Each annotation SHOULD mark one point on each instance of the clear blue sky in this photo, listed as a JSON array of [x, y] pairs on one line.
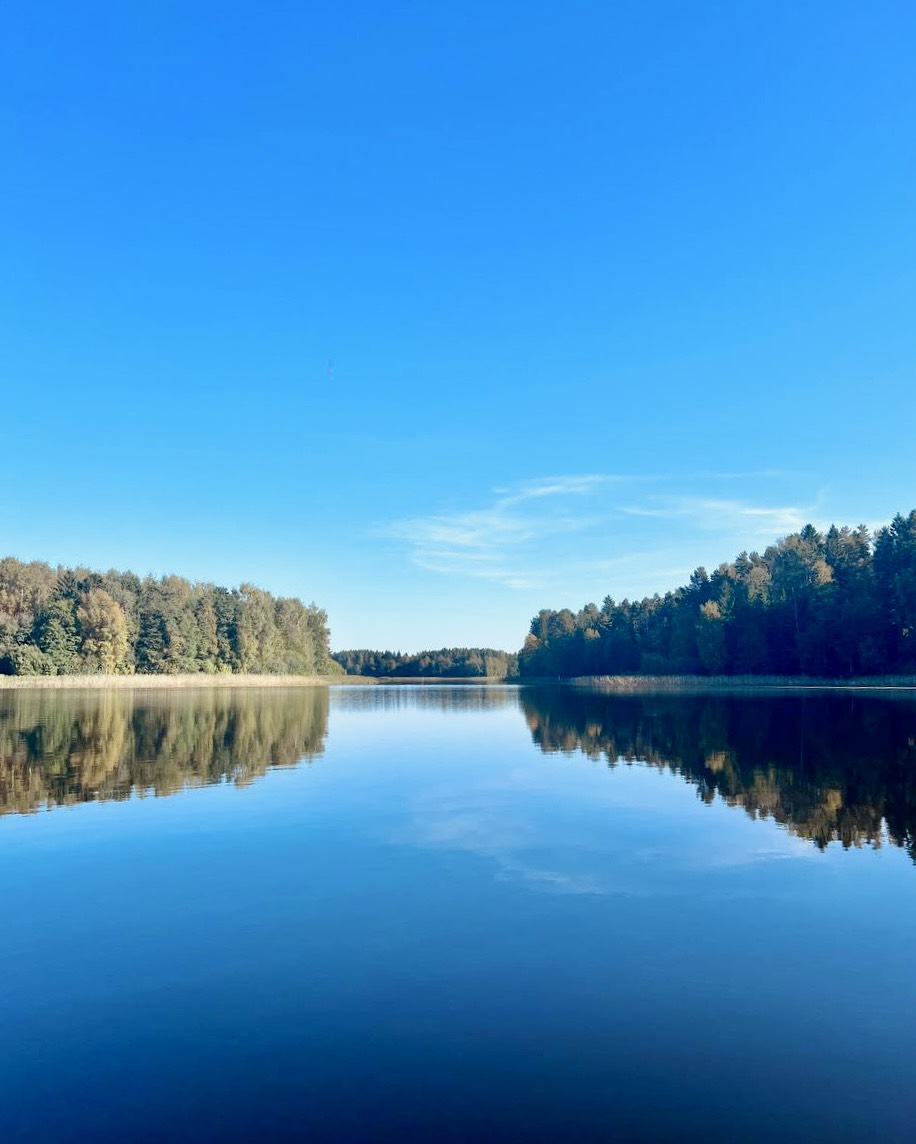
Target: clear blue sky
[[440, 313]]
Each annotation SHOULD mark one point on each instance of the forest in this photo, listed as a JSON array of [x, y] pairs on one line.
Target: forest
[[446, 663], [838, 604], [835, 604], [73, 621]]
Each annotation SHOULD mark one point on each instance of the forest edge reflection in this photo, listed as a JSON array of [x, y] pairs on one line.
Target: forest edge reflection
[[827, 767], [61, 748]]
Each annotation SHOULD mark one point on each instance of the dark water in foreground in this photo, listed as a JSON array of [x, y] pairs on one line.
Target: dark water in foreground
[[456, 913]]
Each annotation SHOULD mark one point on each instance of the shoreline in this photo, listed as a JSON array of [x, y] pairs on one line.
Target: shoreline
[[640, 684], [611, 685], [158, 682], [433, 680], [174, 682], [223, 681]]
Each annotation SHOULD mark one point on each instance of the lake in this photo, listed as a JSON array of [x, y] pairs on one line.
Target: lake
[[451, 913]]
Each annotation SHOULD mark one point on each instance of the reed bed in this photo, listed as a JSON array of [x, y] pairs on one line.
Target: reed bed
[[672, 683], [160, 682]]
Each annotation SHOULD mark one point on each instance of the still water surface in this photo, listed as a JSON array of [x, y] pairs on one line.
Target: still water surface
[[456, 912]]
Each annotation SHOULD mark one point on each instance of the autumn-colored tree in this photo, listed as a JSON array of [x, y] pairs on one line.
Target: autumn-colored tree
[[103, 627]]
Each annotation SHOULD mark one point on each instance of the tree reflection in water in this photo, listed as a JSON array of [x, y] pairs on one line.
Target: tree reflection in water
[[449, 698], [829, 767], [59, 747]]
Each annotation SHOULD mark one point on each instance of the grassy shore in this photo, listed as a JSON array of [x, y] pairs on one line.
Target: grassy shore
[[126, 682], [630, 684], [618, 684]]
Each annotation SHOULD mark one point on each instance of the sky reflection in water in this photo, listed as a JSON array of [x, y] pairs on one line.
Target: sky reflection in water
[[457, 920]]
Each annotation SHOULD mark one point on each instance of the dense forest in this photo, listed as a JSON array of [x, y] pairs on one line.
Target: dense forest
[[835, 604], [446, 663], [72, 621]]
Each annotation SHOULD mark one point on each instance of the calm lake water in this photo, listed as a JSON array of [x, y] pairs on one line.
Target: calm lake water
[[457, 913]]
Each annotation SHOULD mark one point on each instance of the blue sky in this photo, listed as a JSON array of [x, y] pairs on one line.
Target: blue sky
[[438, 314]]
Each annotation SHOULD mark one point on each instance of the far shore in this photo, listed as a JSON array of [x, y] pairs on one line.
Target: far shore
[[613, 684], [436, 680], [128, 682], [624, 684], [217, 680]]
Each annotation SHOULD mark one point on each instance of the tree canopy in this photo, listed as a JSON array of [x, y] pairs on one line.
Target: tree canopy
[[835, 604], [71, 621], [446, 663]]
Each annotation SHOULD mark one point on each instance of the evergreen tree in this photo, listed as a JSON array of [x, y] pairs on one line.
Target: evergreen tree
[[812, 604]]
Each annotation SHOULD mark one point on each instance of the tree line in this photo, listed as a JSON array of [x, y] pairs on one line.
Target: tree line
[[837, 604], [447, 663], [73, 621]]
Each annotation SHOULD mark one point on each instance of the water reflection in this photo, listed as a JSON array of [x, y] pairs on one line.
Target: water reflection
[[60, 748], [828, 767], [449, 698]]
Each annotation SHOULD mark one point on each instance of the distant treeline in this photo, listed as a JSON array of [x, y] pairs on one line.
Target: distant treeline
[[454, 662], [835, 604], [72, 621]]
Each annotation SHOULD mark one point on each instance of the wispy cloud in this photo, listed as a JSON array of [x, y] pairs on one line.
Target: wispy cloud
[[595, 531], [753, 475], [556, 487], [497, 542], [731, 516]]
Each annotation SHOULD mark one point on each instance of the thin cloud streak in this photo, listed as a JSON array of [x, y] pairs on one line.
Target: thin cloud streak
[[753, 475], [553, 487], [496, 543], [739, 518], [533, 534]]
